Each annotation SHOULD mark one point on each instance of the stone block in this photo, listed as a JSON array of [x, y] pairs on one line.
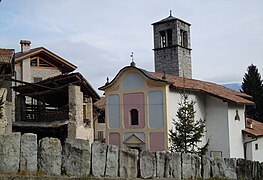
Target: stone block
[[191, 166], [206, 164], [244, 169], [160, 164], [112, 164], [28, 154], [230, 168], [218, 166], [173, 165], [187, 172], [9, 152], [128, 164], [224, 168], [49, 156], [98, 153], [76, 157], [147, 164], [196, 166], [256, 168]]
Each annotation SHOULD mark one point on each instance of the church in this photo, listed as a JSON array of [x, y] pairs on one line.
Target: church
[[141, 105]]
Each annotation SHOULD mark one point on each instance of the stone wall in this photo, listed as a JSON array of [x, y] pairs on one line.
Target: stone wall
[[23, 154]]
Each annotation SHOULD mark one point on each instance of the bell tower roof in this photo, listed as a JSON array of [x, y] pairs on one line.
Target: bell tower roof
[[170, 18]]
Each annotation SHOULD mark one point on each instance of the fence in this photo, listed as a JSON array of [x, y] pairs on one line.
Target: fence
[[80, 159]]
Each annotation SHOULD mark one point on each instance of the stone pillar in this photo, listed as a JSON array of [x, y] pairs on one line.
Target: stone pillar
[[112, 164], [147, 164], [3, 118], [49, 159], [98, 151], [128, 164], [160, 164], [9, 152], [206, 164], [76, 158], [28, 155], [173, 166], [89, 111], [75, 110]]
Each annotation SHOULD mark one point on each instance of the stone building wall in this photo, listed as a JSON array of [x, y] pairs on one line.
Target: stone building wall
[[76, 158]]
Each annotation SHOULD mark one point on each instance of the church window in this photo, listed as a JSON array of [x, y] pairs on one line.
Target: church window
[[183, 38], [163, 39], [169, 37], [134, 117]]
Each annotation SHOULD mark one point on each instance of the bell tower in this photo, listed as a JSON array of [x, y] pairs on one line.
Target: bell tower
[[172, 47]]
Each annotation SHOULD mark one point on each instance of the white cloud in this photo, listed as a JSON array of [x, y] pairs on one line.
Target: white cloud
[[98, 36]]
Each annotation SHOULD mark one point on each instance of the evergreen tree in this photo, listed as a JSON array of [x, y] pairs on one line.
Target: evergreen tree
[[188, 132], [252, 85]]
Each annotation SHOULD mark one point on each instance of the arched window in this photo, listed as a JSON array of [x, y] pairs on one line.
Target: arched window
[[134, 117]]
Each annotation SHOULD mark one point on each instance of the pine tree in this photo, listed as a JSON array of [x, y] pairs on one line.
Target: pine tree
[[188, 132], [252, 85]]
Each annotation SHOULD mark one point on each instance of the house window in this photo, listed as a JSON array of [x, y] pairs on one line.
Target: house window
[[84, 111], [256, 146], [163, 39], [101, 118], [134, 117], [183, 38], [100, 135], [33, 62]]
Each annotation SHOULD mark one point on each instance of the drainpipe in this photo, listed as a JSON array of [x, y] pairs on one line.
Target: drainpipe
[[245, 146]]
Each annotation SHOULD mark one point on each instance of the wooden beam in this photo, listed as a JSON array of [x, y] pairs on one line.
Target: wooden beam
[[34, 84]]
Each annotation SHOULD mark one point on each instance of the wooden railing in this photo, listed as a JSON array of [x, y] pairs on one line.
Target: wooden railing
[[48, 113]]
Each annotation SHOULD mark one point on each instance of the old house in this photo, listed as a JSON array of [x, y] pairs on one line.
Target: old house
[[253, 140], [140, 105], [61, 106], [49, 99], [6, 72]]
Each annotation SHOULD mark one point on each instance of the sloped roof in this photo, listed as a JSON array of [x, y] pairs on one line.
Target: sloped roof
[[54, 89], [61, 63], [6, 55], [204, 87], [169, 18], [256, 130], [101, 103]]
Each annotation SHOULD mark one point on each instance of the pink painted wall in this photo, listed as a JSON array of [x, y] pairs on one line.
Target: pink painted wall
[[133, 101], [114, 138], [156, 141]]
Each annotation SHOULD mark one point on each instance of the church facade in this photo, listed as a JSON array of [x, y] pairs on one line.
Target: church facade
[[141, 105]]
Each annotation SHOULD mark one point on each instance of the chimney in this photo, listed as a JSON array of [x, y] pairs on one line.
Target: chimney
[[25, 45]]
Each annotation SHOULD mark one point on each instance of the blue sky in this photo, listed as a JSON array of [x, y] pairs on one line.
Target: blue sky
[[99, 36]]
